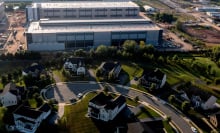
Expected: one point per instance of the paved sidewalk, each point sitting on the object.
(60, 112)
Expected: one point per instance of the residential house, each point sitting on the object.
(27, 120)
(105, 108)
(209, 103)
(34, 70)
(11, 95)
(215, 119)
(155, 77)
(76, 65)
(204, 103)
(108, 68)
(196, 101)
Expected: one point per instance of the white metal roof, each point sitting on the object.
(102, 27)
(85, 4)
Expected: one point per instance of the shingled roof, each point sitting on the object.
(108, 102)
(28, 112)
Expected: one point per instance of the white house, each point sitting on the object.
(149, 9)
(27, 120)
(156, 77)
(204, 103)
(75, 65)
(210, 103)
(104, 107)
(10, 95)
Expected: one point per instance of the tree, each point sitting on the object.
(4, 80)
(209, 67)
(185, 106)
(136, 99)
(106, 89)
(152, 87)
(9, 77)
(80, 53)
(160, 59)
(15, 75)
(175, 58)
(171, 98)
(102, 51)
(98, 72)
(130, 46)
(179, 25)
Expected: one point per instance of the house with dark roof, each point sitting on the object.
(154, 77)
(107, 68)
(11, 95)
(215, 119)
(76, 65)
(27, 120)
(34, 70)
(105, 108)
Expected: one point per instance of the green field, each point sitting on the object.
(146, 113)
(75, 119)
(132, 69)
(33, 103)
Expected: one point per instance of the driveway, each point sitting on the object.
(64, 91)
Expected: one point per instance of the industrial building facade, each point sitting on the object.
(72, 25)
(2, 11)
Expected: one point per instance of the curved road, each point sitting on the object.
(65, 91)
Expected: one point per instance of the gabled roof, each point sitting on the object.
(10, 87)
(118, 101)
(33, 68)
(155, 73)
(108, 66)
(101, 99)
(76, 60)
(108, 102)
(44, 108)
(27, 112)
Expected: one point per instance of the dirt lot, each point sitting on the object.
(16, 40)
(206, 34)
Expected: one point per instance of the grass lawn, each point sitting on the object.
(32, 103)
(74, 117)
(147, 113)
(1, 86)
(59, 74)
(131, 102)
(132, 70)
(168, 128)
(176, 74)
(2, 110)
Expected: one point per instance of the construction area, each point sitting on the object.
(12, 37)
(207, 34)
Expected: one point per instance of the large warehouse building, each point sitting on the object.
(2, 11)
(70, 25)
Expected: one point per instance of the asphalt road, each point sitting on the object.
(65, 91)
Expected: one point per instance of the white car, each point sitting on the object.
(79, 95)
(194, 129)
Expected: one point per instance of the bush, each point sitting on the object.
(217, 81)
(98, 72)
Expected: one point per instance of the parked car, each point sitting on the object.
(79, 95)
(194, 129)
